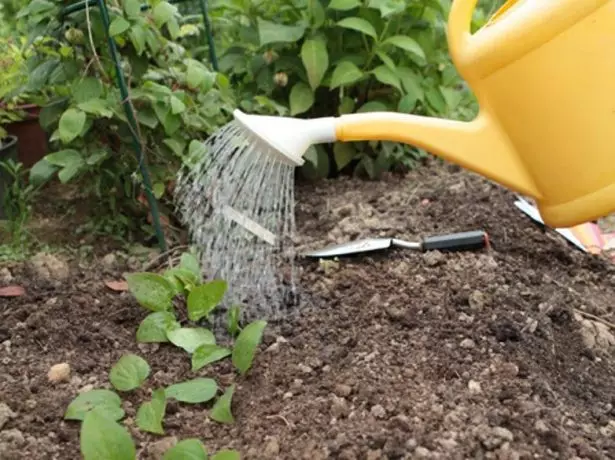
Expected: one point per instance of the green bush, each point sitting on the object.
(178, 100)
(314, 58)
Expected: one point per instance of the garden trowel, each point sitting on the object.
(462, 241)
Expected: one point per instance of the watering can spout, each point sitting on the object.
(479, 145)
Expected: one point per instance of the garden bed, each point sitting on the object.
(396, 355)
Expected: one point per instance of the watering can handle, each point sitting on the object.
(459, 22)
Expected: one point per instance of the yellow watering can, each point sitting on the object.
(543, 72)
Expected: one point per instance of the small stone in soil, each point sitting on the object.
(467, 344)
(59, 373)
(5, 414)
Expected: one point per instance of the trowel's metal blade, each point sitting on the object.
(352, 247)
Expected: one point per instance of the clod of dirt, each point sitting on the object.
(272, 448)
(474, 387)
(59, 373)
(595, 334)
(5, 414)
(434, 258)
(5, 275)
(49, 267)
(109, 261)
(477, 300)
(156, 449)
(13, 438)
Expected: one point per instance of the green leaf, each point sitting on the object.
(198, 390)
(435, 99)
(343, 153)
(71, 124)
(177, 106)
(197, 75)
(360, 25)
(203, 299)
(41, 172)
(388, 7)
(154, 327)
(187, 449)
(386, 76)
(207, 354)
(190, 338)
(410, 45)
(221, 412)
(163, 12)
(64, 157)
(86, 89)
(301, 98)
(132, 8)
(129, 372)
(158, 190)
(151, 413)
(151, 290)
(118, 26)
(106, 401)
(315, 59)
(273, 32)
(176, 145)
(102, 438)
(96, 107)
(344, 5)
(373, 106)
(386, 60)
(346, 73)
(233, 320)
(407, 104)
(181, 278)
(411, 82)
(245, 345)
(138, 38)
(189, 262)
(226, 454)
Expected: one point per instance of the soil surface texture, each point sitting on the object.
(502, 353)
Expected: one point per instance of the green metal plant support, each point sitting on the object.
(132, 119)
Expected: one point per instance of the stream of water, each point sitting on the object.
(230, 188)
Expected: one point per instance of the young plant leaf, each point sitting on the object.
(193, 391)
(102, 438)
(344, 5)
(151, 413)
(86, 89)
(187, 449)
(106, 401)
(226, 454)
(152, 291)
(360, 25)
(190, 338)
(154, 327)
(203, 299)
(190, 263)
(221, 412)
(71, 124)
(346, 73)
(129, 372)
(232, 317)
(182, 279)
(207, 354)
(163, 12)
(315, 59)
(245, 345)
(301, 98)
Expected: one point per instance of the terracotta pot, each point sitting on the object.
(32, 138)
(8, 150)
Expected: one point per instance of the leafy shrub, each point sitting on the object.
(331, 57)
(178, 99)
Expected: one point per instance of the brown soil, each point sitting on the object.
(396, 355)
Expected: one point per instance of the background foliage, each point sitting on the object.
(302, 58)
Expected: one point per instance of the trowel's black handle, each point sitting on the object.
(463, 241)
